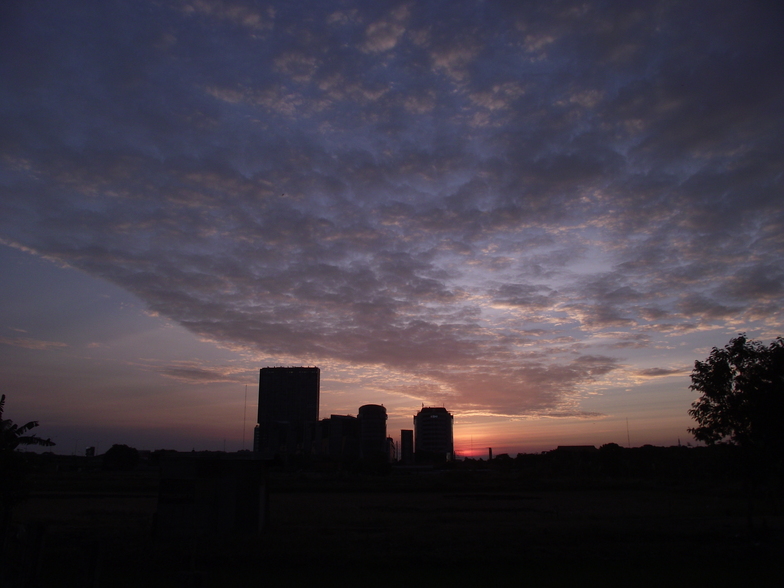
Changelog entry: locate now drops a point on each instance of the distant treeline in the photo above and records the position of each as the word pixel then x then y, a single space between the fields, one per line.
pixel 611 460
pixel 723 461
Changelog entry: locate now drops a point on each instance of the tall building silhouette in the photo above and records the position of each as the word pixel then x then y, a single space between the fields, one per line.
pixel 407 446
pixel 433 439
pixel 373 432
pixel 288 411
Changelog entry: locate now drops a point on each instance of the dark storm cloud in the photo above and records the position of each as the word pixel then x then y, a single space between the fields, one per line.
pixel 406 185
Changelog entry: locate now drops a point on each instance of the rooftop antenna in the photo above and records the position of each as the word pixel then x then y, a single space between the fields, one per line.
pixel 244 415
pixel 628 441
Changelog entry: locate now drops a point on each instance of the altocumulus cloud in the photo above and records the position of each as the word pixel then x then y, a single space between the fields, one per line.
pixel 190 373
pixel 487 196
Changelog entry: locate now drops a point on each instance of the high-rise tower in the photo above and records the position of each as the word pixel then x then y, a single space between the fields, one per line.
pixel 288 410
pixel 433 435
pixel 373 432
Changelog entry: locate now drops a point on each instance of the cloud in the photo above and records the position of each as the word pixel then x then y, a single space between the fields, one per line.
pixel 36 344
pixel 383 35
pixel 194 373
pixel 235 12
pixel 661 372
pixel 380 187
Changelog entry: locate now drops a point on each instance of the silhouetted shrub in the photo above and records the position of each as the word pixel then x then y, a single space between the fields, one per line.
pixel 121 457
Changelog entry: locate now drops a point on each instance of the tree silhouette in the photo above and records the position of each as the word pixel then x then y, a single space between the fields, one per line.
pixel 12 435
pixel 13 467
pixel 742 402
pixel 121 457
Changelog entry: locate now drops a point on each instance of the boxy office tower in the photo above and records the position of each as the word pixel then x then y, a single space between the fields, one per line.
pixel 288 411
pixel 433 435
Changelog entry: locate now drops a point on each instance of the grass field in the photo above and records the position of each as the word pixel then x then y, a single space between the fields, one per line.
pixel 439 529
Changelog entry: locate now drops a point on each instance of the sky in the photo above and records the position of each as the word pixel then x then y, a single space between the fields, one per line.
pixel 535 214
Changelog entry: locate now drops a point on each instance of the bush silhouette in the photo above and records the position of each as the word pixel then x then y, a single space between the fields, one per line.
pixel 121 457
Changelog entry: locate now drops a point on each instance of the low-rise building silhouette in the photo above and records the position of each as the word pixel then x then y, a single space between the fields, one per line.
pixel 338 438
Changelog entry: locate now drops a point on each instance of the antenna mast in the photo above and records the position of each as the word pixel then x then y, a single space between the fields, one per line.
pixel 628 441
pixel 244 415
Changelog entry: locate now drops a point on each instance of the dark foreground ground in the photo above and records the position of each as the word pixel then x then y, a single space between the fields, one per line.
pixel 422 529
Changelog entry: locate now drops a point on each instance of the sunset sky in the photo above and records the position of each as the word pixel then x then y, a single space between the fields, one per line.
pixel 536 214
